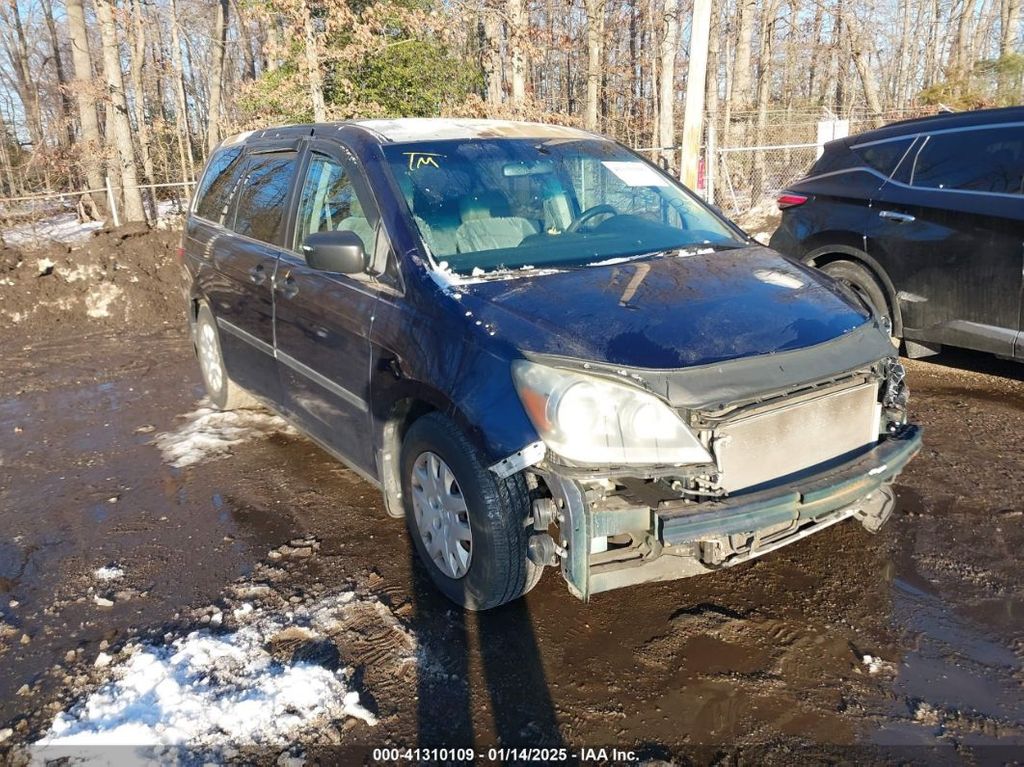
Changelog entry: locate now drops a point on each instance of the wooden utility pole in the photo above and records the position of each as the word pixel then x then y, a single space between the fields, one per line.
pixel 696 77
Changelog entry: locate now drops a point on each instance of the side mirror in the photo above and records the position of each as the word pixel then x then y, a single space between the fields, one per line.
pixel 335 251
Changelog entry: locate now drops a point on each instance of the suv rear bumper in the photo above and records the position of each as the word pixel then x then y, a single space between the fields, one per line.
pixel 680 538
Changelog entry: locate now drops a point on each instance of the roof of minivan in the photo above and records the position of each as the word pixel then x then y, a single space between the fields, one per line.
pixel 422 129
pixel 943 121
pixel 437 129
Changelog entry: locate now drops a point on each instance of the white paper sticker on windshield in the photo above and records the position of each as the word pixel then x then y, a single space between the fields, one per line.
pixel 635 173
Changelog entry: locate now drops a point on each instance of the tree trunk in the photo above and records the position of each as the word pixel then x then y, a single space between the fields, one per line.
pixel 118 123
pixel 667 97
pixel 758 171
pixel 595 59
pixel 518 34
pixel 312 65
pixel 490 27
pixel 220 34
pixel 741 79
pixel 67 108
pixel 181 122
pixel 958 54
pixel 1009 17
pixel 858 52
pixel 28 90
pixel 90 144
pixel 138 61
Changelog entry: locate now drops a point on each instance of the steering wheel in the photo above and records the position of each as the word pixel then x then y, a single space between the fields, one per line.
pixel 604 208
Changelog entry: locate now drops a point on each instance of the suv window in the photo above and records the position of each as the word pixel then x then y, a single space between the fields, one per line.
pixel 982 160
pixel 214 193
pixel 884 156
pixel 259 209
pixel 329 201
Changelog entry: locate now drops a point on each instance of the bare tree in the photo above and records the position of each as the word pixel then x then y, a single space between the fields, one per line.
pixel 183 130
pixel 595 59
pixel 90 141
pixel 220 36
pixel 117 118
pixel 312 63
pixel 667 98
pixel 517 39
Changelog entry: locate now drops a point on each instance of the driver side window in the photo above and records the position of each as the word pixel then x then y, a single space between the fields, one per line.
pixel 329 202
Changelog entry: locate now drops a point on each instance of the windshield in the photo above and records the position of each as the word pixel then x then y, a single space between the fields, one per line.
pixel 492 204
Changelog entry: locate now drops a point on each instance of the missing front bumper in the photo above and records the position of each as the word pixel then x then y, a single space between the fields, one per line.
pixel 676 533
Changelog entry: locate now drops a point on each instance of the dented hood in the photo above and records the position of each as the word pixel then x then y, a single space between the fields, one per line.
pixel 666 312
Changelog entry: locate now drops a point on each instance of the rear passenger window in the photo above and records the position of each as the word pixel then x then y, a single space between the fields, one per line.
pixel 884 156
pixel 263 196
pixel 214 193
pixel 982 160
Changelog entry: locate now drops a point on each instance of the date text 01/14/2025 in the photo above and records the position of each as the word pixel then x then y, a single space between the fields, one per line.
pixel 504 754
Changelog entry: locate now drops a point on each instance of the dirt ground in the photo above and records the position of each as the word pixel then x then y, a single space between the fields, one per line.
pixel 906 646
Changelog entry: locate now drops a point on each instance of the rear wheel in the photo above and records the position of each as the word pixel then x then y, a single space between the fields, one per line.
pixel 222 391
pixel 468 526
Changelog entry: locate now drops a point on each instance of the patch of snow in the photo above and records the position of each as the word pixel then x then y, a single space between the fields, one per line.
pixel 208 433
pixel 108 573
pixel 210 690
pixel 62 227
pixel 876 665
pixel 81 272
pixel 99 299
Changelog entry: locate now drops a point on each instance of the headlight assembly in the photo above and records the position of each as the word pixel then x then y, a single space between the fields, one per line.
pixel 589 420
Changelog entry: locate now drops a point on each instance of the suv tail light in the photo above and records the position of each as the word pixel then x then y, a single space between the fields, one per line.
pixel 790 200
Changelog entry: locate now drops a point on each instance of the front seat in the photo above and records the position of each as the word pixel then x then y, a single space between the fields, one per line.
pixel 357 222
pixel 481 230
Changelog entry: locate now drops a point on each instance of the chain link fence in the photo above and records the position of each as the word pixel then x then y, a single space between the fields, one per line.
pixel 749 159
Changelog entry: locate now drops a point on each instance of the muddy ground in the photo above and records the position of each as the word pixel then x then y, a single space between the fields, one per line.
pixel 903 646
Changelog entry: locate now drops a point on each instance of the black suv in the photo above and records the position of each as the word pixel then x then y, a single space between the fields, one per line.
pixel 541 348
pixel 925 220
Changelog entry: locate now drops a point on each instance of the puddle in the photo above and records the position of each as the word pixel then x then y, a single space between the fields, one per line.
pixel 959 674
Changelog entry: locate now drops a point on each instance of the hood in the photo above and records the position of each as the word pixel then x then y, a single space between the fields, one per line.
pixel 667 312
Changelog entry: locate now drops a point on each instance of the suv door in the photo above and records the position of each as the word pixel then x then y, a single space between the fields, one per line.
pixel 950 229
pixel 239 233
pixel 323 319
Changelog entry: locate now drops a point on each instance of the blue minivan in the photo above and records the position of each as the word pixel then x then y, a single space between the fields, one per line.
pixel 541 348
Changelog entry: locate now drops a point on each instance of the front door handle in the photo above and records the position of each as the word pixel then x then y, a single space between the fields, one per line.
pixel 289 288
pixel 892 215
pixel 258 274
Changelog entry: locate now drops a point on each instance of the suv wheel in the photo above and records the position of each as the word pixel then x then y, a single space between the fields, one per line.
pixel 468 526
pixel 863 283
pixel 222 391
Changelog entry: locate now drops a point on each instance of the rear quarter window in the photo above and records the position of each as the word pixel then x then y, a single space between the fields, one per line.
pixel 218 182
pixel 837 157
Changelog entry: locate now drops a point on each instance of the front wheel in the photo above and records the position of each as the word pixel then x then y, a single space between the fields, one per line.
pixel 468 526
pixel 862 282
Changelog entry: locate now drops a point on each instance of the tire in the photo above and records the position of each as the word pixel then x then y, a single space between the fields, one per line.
pixel 496 569
pixel 224 393
pixel 862 282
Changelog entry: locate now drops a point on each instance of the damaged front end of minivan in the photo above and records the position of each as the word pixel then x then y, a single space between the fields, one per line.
pixel 648 475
